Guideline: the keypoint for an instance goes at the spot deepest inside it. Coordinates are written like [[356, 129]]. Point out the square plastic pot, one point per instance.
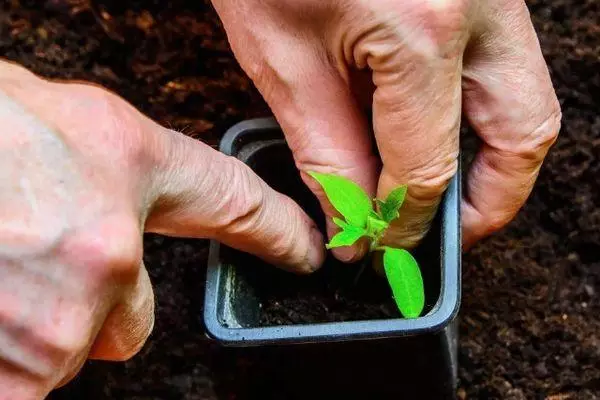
[[232, 307], [232, 310]]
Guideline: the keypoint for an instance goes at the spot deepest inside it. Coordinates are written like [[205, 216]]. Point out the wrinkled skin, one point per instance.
[[83, 174], [419, 65]]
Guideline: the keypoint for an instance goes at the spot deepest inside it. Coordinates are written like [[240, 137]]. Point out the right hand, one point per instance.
[[420, 65], [82, 176]]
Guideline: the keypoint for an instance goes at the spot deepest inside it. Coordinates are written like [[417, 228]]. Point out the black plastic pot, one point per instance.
[[232, 312]]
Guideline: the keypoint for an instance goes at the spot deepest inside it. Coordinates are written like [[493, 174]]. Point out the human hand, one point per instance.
[[82, 176], [420, 64]]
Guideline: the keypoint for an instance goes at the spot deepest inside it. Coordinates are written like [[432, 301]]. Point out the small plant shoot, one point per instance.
[[362, 219]]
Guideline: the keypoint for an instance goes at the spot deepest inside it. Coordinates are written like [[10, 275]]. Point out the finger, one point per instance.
[[129, 324], [510, 102], [416, 117], [203, 193], [311, 99], [323, 125]]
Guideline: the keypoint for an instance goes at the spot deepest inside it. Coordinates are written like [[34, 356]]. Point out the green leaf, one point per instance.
[[346, 197], [405, 279], [374, 214], [375, 225], [347, 237], [389, 208], [340, 222]]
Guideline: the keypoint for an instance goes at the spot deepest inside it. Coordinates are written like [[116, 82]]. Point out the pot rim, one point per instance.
[[444, 311]]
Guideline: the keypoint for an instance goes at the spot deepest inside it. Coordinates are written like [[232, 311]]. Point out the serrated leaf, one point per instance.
[[404, 277], [389, 208], [347, 237], [346, 197]]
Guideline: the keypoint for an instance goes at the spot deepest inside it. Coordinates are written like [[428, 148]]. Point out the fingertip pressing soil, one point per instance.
[[529, 319]]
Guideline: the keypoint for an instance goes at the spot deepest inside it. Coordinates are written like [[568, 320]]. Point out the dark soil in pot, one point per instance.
[[529, 326], [338, 291]]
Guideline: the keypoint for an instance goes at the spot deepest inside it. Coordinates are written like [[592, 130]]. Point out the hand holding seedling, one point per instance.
[[419, 65], [361, 220], [82, 176]]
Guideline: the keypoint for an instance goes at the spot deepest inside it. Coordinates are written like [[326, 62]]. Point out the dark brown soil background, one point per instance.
[[530, 326]]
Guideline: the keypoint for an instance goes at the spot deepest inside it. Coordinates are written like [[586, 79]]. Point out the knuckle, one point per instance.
[[242, 200], [255, 69], [443, 9], [247, 208], [117, 258], [261, 70], [285, 245], [42, 337], [116, 123], [110, 253], [274, 79], [537, 141], [68, 334], [429, 182], [60, 338], [444, 19], [544, 136]]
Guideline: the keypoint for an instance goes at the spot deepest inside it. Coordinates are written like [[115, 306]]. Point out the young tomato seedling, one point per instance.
[[361, 219]]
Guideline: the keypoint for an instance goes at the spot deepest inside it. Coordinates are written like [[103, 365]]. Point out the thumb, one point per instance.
[[322, 122], [514, 111], [202, 193]]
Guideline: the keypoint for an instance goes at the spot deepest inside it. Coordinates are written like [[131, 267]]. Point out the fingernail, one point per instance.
[[316, 252]]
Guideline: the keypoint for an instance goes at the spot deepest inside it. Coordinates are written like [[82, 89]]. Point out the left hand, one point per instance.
[[83, 175]]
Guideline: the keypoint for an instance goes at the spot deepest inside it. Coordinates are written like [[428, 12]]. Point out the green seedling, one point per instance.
[[362, 220]]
